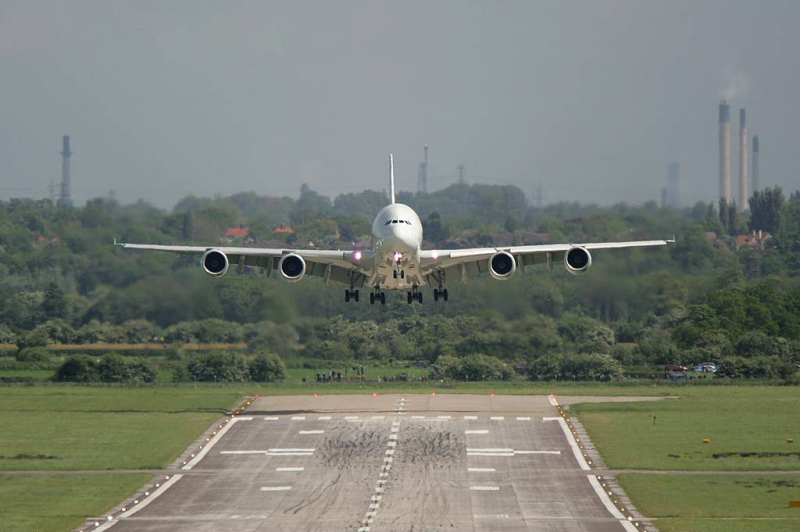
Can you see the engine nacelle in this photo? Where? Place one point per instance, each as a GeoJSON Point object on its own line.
{"type": "Point", "coordinates": [577, 260]}
{"type": "Point", "coordinates": [292, 267]}
{"type": "Point", "coordinates": [215, 262]}
{"type": "Point", "coordinates": [502, 265]}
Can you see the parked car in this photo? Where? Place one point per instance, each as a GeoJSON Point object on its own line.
{"type": "Point", "coordinates": [706, 367]}
{"type": "Point", "coordinates": [675, 368]}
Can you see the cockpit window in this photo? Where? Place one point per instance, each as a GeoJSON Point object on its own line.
{"type": "Point", "coordinates": [387, 222]}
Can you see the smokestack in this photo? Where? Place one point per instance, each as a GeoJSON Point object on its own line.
{"type": "Point", "coordinates": [673, 184]}
{"type": "Point", "coordinates": [724, 151]}
{"type": "Point", "coordinates": [66, 153]}
{"type": "Point", "coordinates": [756, 183]}
{"type": "Point", "coordinates": [744, 193]}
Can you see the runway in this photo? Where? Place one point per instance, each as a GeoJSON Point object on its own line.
{"type": "Point", "coordinates": [386, 463]}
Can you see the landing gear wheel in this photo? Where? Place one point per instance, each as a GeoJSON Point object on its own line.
{"type": "Point", "coordinates": [383, 298]}
{"type": "Point", "coordinates": [436, 294]}
{"type": "Point", "coordinates": [372, 298]}
{"type": "Point", "coordinates": [347, 296]}
{"type": "Point", "coordinates": [419, 297]}
{"type": "Point", "coordinates": [402, 274]}
{"type": "Point", "coordinates": [444, 294]}
{"type": "Point", "coordinates": [394, 273]}
{"type": "Point", "coordinates": [410, 298]}
{"type": "Point", "coordinates": [355, 295]}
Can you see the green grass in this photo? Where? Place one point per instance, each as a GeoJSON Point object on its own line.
{"type": "Point", "coordinates": [716, 503]}
{"type": "Point", "coordinates": [747, 426]}
{"type": "Point", "coordinates": [77, 428]}
{"type": "Point", "coordinates": [42, 374]}
{"type": "Point", "coordinates": [53, 502]}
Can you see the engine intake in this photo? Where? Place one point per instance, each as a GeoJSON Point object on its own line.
{"type": "Point", "coordinates": [215, 262]}
{"type": "Point", "coordinates": [577, 260]}
{"type": "Point", "coordinates": [292, 267]}
{"type": "Point", "coordinates": [502, 265]}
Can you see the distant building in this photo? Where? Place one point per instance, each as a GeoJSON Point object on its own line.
{"type": "Point", "coordinates": [232, 233]}
{"type": "Point", "coordinates": [284, 229]}
{"type": "Point", "coordinates": [754, 240]}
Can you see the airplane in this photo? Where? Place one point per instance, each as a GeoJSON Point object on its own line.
{"type": "Point", "coordinates": [396, 260]}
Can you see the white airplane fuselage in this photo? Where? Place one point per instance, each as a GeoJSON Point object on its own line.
{"type": "Point", "coordinates": [396, 242]}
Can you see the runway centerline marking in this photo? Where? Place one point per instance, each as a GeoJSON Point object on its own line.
{"type": "Point", "coordinates": [312, 432]}
{"type": "Point", "coordinates": [476, 432]}
{"type": "Point", "coordinates": [276, 488]}
{"type": "Point", "coordinates": [290, 469]}
{"type": "Point", "coordinates": [484, 488]}
{"type": "Point", "coordinates": [298, 418]}
{"type": "Point", "coordinates": [481, 469]}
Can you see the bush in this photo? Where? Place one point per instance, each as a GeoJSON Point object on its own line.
{"type": "Point", "coordinates": [218, 366]}
{"type": "Point", "coordinates": [108, 368]}
{"type": "Point", "coordinates": [33, 354]}
{"type": "Point", "coordinates": [478, 367]}
{"type": "Point", "coordinates": [267, 367]}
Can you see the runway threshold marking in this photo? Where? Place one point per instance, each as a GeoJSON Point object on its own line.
{"type": "Point", "coordinates": [276, 488]}
{"type": "Point", "coordinates": [484, 488]}
{"type": "Point", "coordinates": [290, 469]}
{"type": "Point", "coordinates": [312, 432]}
{"type": "Point", "coordinates": [481, 469]}
{"type": "Point", "coordinates": [476, 432]}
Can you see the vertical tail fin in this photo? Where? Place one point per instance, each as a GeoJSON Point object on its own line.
{"type": "Point", "coordinates": [391, 179]}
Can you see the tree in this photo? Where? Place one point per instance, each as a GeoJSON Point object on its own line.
{"type": "Point", "coordinates": [267, 367]}
{"type": "Point", "coordinates": [766, 210]}
{"type": "Point", "coordinates": [54, 304]}
{"type": "Point", "coordinates": [79, 368]}
{"type": "Point", "coordinates": [218, 366]}
{"type": "Point", "coordinates": [433, 229]}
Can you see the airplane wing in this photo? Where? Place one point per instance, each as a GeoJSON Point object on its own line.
{"type": "Point", "coordinates": [460, 264]}
{"type": "Point", "coordinates": [334, 265]}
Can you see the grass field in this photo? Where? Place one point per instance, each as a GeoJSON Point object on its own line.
{"type": "Point", "coordinates": [716, 503]}
{"type": "Point", "coordinates": [747, 426]}
{"type": "Point", "coordinates": [51, 503]}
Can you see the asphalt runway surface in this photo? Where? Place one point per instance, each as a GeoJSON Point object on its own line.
{"type": "Point", "coordinates": [386, 463]}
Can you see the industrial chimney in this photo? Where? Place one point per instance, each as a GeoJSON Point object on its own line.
{"type": "Point", "coordinates": [724, 151]}
{"type": "Point", "coordinates": [756, 184]}
{"type": "Point", "coordinates": [744, 193]}
{"type": "Point", "coordinates": [66, 153]}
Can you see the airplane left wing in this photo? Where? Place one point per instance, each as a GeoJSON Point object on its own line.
{"type": "Point", "coordinates": [335, 265]}
{"type": "Point", "coordinates": [460, 264]}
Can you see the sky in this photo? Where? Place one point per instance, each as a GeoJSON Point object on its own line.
{"type": "Point", "coordinates": [589, 100]}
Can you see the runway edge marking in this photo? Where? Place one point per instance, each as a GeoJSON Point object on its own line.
{"type": "Point", "coordinates": [174, 478]}
{"type": "Point", "coordinates": [609, 505]}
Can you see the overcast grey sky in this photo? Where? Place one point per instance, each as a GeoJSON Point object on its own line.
{"type": "Point", "coordinates": [589, 99]}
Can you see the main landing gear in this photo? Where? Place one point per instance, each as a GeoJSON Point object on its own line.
{"type": "Point", "coordinates": [439, 293]}
{"type": "Point", "coordinates": [351, 294]}
{"type": "Point", "coordinates": [415, 295]}
{"type": "Point", "coordinates": [377, 295]}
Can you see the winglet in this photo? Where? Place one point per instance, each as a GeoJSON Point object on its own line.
{"type": "Point", "coordinates": [391, 179]}
{"type": "Point", "coordinates": [118, 244]}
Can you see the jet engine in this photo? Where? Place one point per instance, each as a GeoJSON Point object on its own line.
{"type": "Point", "coordinates": [577, 260]}
{"type": "Point", "coordinates": [292, 267]}
{"type": "Point", "coordinates": [215, 262]}
{"type": "Point", "coordinates": [502, 265]}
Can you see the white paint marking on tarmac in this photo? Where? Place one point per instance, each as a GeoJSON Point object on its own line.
{"type": "Point", "coordinates": [279, 450]}
{"type": "Point", "coordinates": [290, 454]}
{"type": "Point", "coordinates": [417, 417]}
{"type": "Point", "coordinates": [627, 525]}
{"type": "Point", "coordinates": [244, 452]}
{"type": "Point", "coordinates": [312, 432]}
{"type": "Point", "coordinates": [324, 418]}
{"type": "Point", "coordinates": [470, 417]}
{"type": "Point", "coordinates": [290, 469]}
{"type": "Point", "coordinates": [481, 469]}
{"type": "Point", "coordinates": [537, 452]}
{"type": "Point", "coordinates": [276, 488]}
{"type": "Point", "coordinates": [476, 432]}
{"type": "Point", "coordinates": [350, 418]}
{"type": "Point", "coordinates": [393, 436]}
{"type": "Point", "coordinates": [490, 454]}
{"type": "Point", "coordinates": [571, 440]}
{"type": "Point", "coordinates": [298, 418]}
{"type": "Point", "coordinates": [476, 450]}
{"type": "Point", "coordinates": [492, 516]}
{"type": "Point", "coordinates": [484, 488]}
{"type": "Point", "coordinates": [143, 504]}
{"type": "Point", "coordinates": [392, 444]}
{"type": "Point", "coordinates": [497, 418]}
{"type": "Point", "coordinates": [378, 417]}
{"type": "Point", "coordinates": [271, 418]}
{"type": "Point", "coordinates": [245, 418]}
{"type": "Point", "coordinates": [553, 400]}
{"type": "Point", "coordinates": [442, 417]}
{"type": "Point", "coordinates": [523, 419]}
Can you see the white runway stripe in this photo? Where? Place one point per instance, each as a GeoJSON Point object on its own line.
{"type": "Point", "coordinates": [290, 469]}
{"type": "Point", "coordinates": [484, 488]}
{"type": "Point", "coordinates": [470, 417]}
{"type": "Point", "coordinates": [481, 469]}
{"type": "Point", "coordinates": [271, 418]}
{"type": "Point", "coordinates": [276, 488]}
{"type": "Point", "coordinates": [476, 450]}
{"type": "Point", "coordinates": [537, 452]}
{"type": "Point", "coordinates": [523, 419]}
{"type": "Point", "coordinates": [476, 432]}
{"type": "Point", "coordinates": [324, 418]}
{"type": "Point", "coordinates": [497, 418]}
{"type": "Point", "coordinates": [312, 432]}
{"type": "Point", "coordinates": [298, 418]}
{"type": "Point", "coordinates": [490, 454]}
